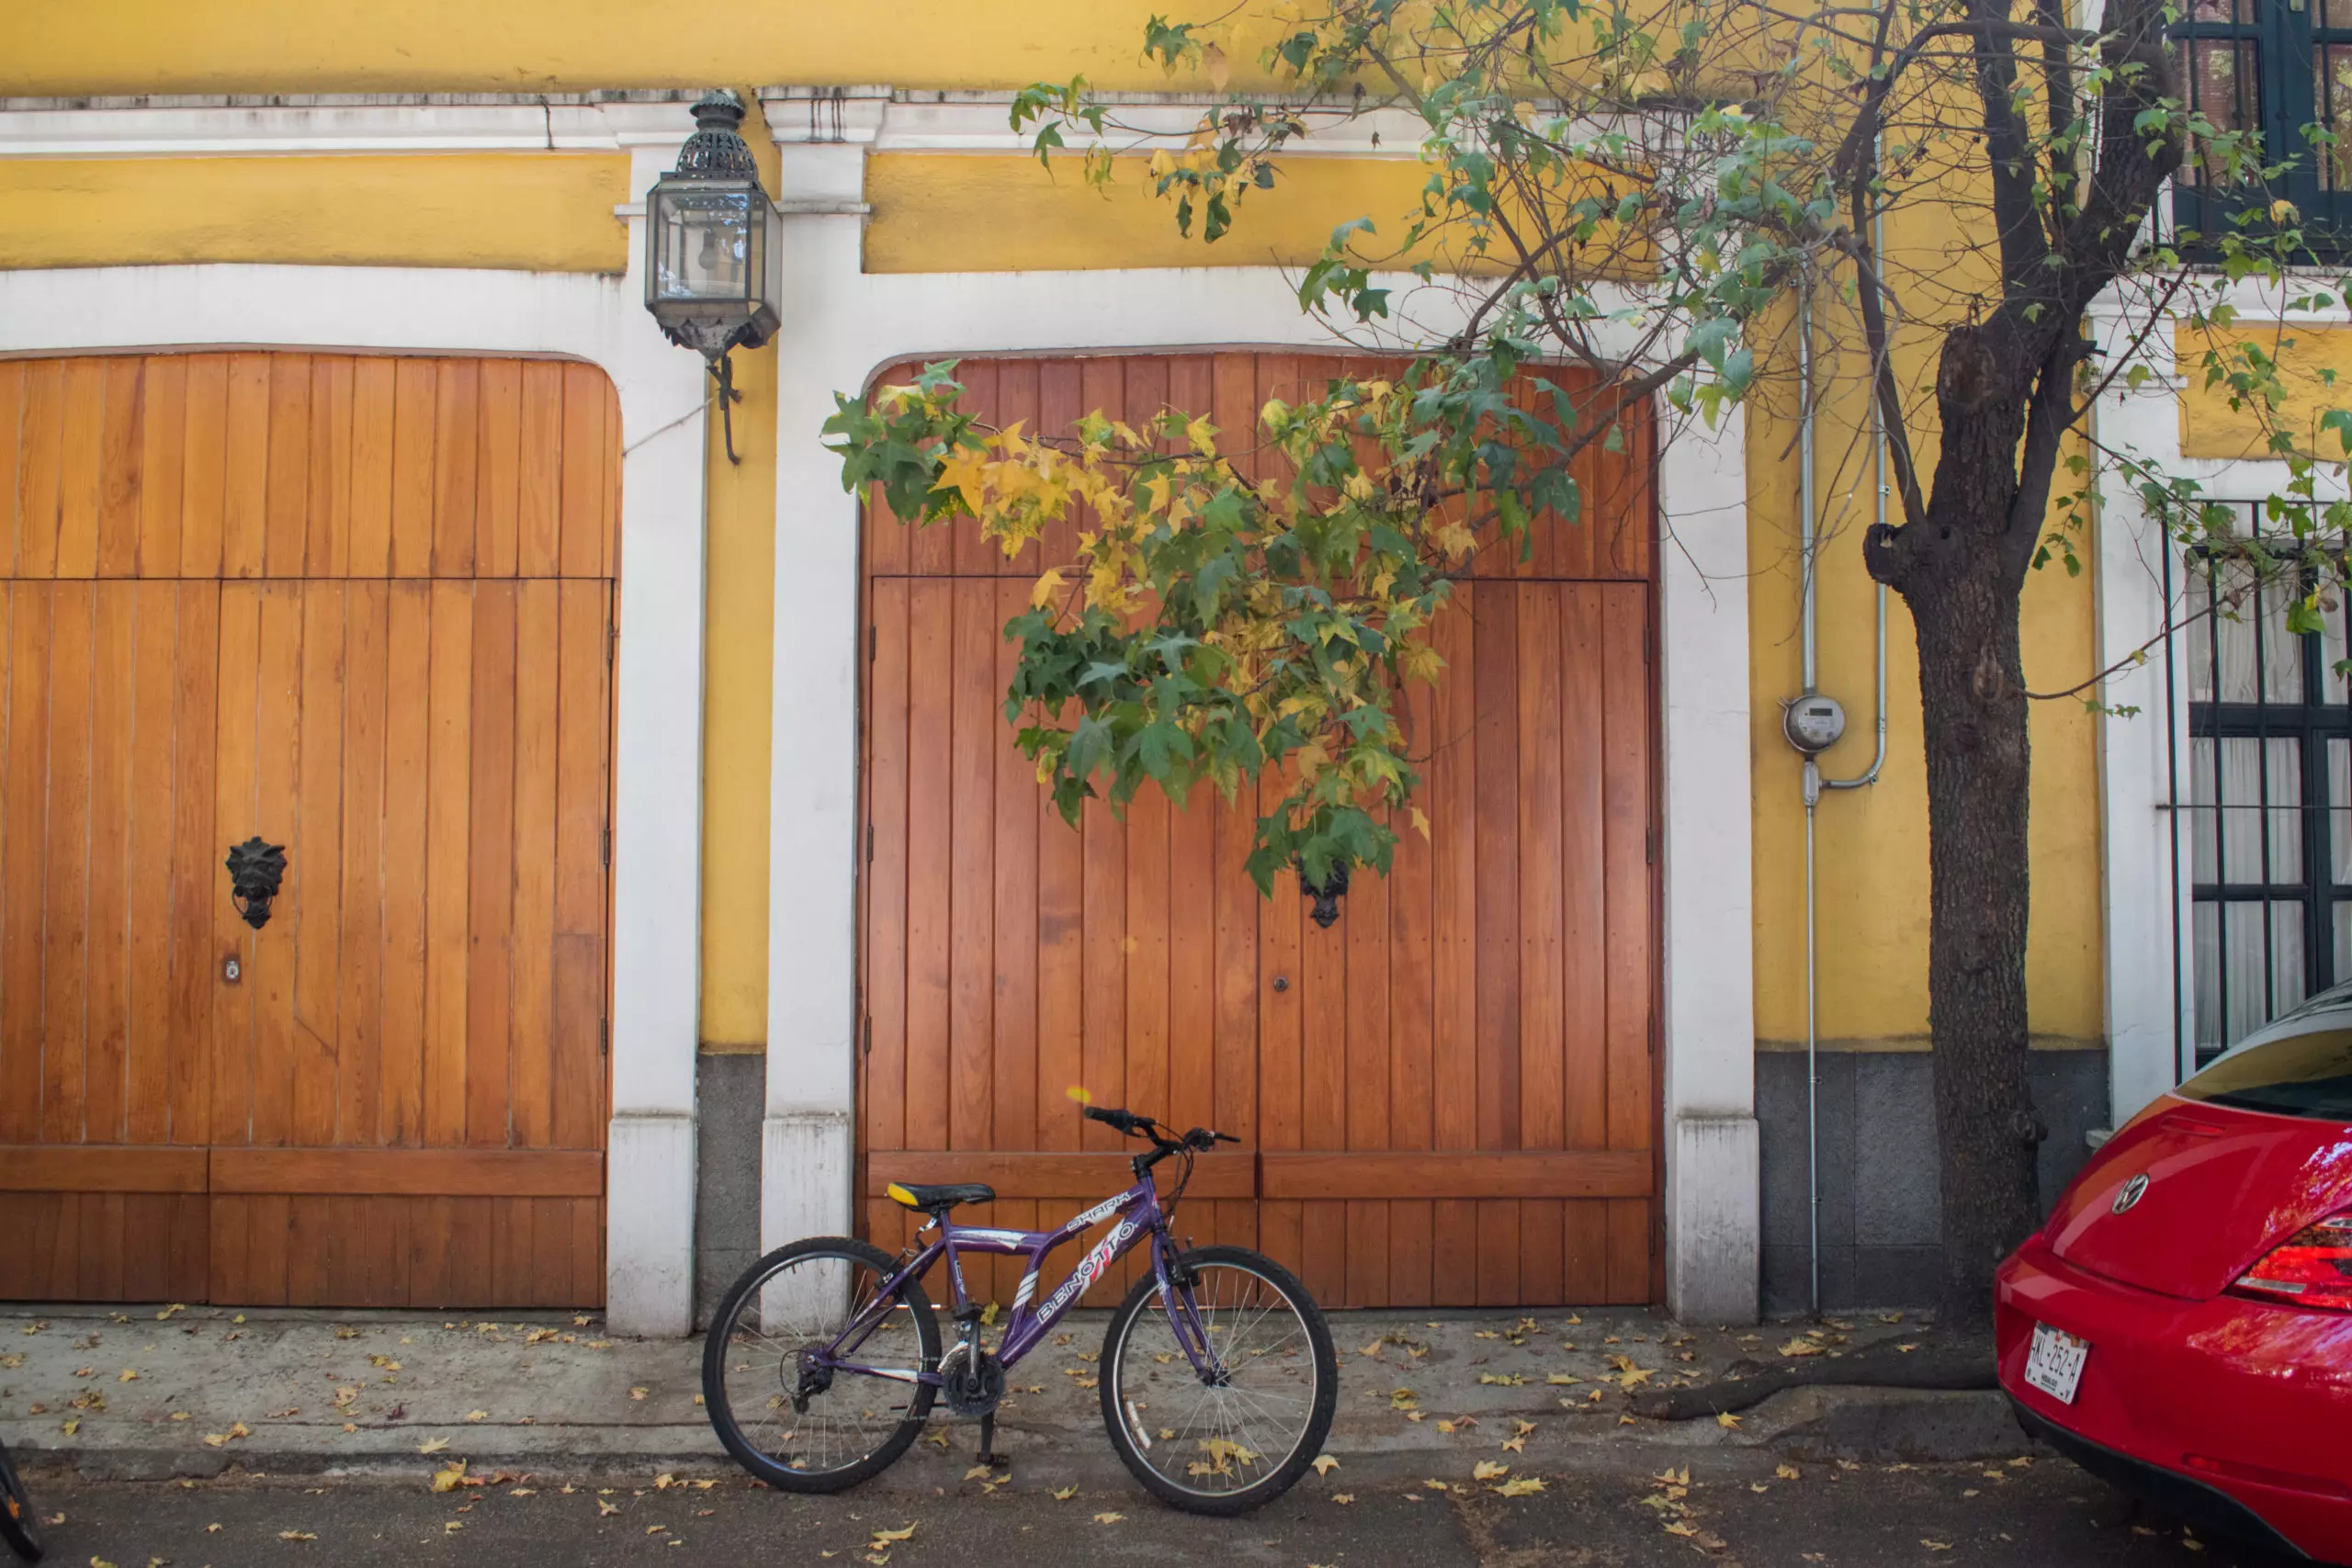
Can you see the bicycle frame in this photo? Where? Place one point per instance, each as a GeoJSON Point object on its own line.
{"type": "Point", "coordinates": [1140, 1216]}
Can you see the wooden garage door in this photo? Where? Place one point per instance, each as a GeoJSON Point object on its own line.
{"type": "Point", "coordinates": [361, 608]}
{"type": "Point", "coordinates": [1448, 1097]}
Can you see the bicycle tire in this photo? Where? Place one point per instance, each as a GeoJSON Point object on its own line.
{"type": "Point", "coordinates": [724, 1324]}
{"type": "Point", "coordinates": [1321, 1404]}
{"type": "Point", "coordinates": [18, 1527]}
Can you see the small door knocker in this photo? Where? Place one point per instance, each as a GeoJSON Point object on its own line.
{"type": "Point", "coordinates": [256, 868]}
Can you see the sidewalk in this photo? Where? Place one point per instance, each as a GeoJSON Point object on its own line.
{"type": "Point", "coordinates": [158, 1392]}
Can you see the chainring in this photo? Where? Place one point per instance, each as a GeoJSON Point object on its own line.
{"type": "Point", "coordinates": [971, 1390]}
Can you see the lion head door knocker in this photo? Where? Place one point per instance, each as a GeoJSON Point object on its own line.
{"type": "Point", "coordinates": [256, 868]}
{"type": "Point", "coordinates": [1327, 897]}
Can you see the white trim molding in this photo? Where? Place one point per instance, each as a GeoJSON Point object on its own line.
{"type": "Point", "coordinates": [657, 789]}
{"type": "Point", "coordinates": [844, 324]}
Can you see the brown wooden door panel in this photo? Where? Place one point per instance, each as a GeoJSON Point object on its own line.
{"type": "Point", "coordinates": [1453, 1088]}
{"type": "Point", "coordinates": [404, 678]}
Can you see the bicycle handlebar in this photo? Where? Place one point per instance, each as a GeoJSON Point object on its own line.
{"type": "Point", "coordinates": [1138, 1126]}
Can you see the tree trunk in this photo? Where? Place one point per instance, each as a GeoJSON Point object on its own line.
{"type": "Point", "coordinates": [1963, 578]}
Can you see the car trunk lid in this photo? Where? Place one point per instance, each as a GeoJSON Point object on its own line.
{"type": "Point", "coordinates": [2222, 1186]}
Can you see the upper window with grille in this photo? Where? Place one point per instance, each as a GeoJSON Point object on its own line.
{"type": "Point", "coordinates": [2270, 795]}
{"type": "Point", "coordinates": [2273, 68]}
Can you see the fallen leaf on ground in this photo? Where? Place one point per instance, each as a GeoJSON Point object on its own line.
{"type": "Point", "coordinates": [430, 1445]}
{"type": "Point", "coordinates": [1521, 1487]}
{"type": "Point", "coordinates": [1487, 1470]}
{"type": "Point", "coordinates": [1726, 1418]}
{"type": "Point", "coordinates": [1935, 1545]}
{"type": "Point", "coordinates": [638, 1393]}
{"type": "Point", "coordinates": [1563, 1380]}
{"type": "Point", "coordinates": [1063, 1494]}
{"type": "Point", "coordinates": [1343, 1497]}
{"type": "Point", "coordinates": [1108, 1518]}
{"type": "Point", "coordinates": [1514, 1445]}
{"type": "Point", "coordinates": [296, 1535]}
{"type": "Point", "coordinates": [1325, 1464]}
{"type": "Point", "coordinates": [607, 1510]}
{"type": "Point", "coordinates": [477, 1414]}
{"type": "Point", "coordinates": [1680, 1526]}
{"type": "Point", "coordinates": [452, 1478]}
{"type": "Point", "coordinates": [1800, 1348]}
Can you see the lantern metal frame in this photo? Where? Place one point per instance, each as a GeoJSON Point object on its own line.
{"type": "Point", "coordinates": [724, 296]}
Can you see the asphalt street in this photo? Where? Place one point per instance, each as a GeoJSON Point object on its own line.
{"type": "Point", "coordinates": [2043, 1514]}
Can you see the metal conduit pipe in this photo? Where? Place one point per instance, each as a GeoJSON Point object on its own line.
{"type": "Point", "coordinates": [1808, 549]}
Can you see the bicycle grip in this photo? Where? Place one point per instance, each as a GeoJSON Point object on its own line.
{"type": "Point", "coordinates": [1124, 1121]}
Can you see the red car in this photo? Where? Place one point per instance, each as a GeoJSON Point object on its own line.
{"type": "Point", "coordinates": [2183, 1325]}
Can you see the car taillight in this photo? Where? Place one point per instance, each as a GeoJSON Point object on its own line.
{"type": "Point", "coordinates": [2312, 1267]}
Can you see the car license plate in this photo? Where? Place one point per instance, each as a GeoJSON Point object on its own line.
{"type": "Point", "coordinates": [2055, 1364]}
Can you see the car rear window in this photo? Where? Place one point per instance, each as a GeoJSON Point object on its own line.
{"type": "Point", "coordinates": [2303, 1075]}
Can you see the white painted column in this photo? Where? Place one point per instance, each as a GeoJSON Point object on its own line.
{"type": "Point", "coordinates": [1713, 1193]}
{"type": "Point", "coordinates": [2143, 903]}
{"type": "Point", "coordinates": [657, 791]}
{"type": "Point", "coordinates": [808, 1145]}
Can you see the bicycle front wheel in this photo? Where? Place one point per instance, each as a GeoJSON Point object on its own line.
{"type": "Point", "coordinates": [784, 1410]}
{"type": "Point", "coordinates": [1234, 1433]}
{"type": "Point", "coordinates": [16, 1514]}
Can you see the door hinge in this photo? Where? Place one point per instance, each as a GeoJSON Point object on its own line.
{"type": "Point", "coordinates": [608, 846]}
{"type": "Point", "coordinates": [865, 1030]}
{"type": "Point", "coordinates": [869, 843]}
{"type": "Point", "coordinates": [1649, 846]}
{"type": "Point", "coordinates": [873, 643]}
{"type": "Point", "coordinates": [604, 1036]}
{"type": "Point", "coordinates": [612, 641]}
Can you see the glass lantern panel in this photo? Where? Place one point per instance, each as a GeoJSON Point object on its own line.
{"type": "Point", "coordinates": [706, 244]}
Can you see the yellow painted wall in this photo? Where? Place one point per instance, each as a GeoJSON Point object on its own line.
{"type": "Point", "coordinates": [542, 211]}
{"type": "Point", "coordinates": [2314, 362]}
{"type": "Point", "coordinates": [53, 48]}
{"type": "Point", "coordinates": [1871, 844]}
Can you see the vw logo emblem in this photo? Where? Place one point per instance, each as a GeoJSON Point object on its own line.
{"type": "Point", "coordinates": [2132, 1193]}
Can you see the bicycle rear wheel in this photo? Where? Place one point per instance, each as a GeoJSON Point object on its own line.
{"type": "Point", "coordinates": [1236, 1438]}
{"type": "Point", "coordinates": [17, 1524]}
{"type": "Point", "coordinates": [797, 1425]}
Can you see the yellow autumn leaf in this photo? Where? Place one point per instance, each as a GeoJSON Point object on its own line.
{"type": "Point", "coordinates": [884, 1537]}
{"type": "Point", "coordinates": [1788, 1472]}
{"type": "Point", "coordinates": [1108, 1518]}
{"type": "Point", "coordinates": [1522, 1486]}
{"type": "Point", "coordinates": [452, 1478]}
{"type": "Point", "coordinates": [1063, 1494]}
{"type": "Point", "coordinates": [1325, 1464]}
{"type": "Point", "coordinates": [1800, 1348]}
{"type": "Point", "coordinates": [1487, 1470]}
{"type": "Point", "coordinates": [432, 1444]}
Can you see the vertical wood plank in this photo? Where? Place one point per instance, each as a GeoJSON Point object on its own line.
{"type": "Point", "coordinates": [238, 685]}
{"type": "Point", "coordinates": [314, 864]}
{"type": "Point", "coordinates": [65, 898]}
{"type": "Point", "coordinates": [106, 1115]}
{"type": "Point", "coordinates": [539, 490]}
{"type": "Point", "coordinates": [406, 795]}
{"type": "Point", "coordinates": [13, 457]}
{"type": "Point", "coordinates": [586, 464]}
{"type": "Point", "coordinates": [205, 474]}
{"type": "Point", "coordinates": [882, 1092]}
{"type": "Point", "coordinates": [326, 544]}
{"type": "Point", "coordinates": [122, 452]}
{"type": "Point", "coordinates": [489, 1069]}
{"type": "Point", "coordinates": [80, 465]}
{"type": "Point", "coordinates": [285, 527]}
{"type": "Point", "coordinates": [23, 857]}
{"type": "Point", "coordinates": [583, 717]}
{"type": "Point", "coordinates": [537, 655]}
{"type": "Point", "coordinates": [456, 413]}
{"type": "Point", "coordinates": [163, 465]}
{"type": "Point", "coordinates": [280, 1052]}
{"type": "Point", "coordinates": [1102, 1055]}
{"type": "Point", "coordinates": [365, 856]}
{"type": "Point", "coordinates": [415, 422]}
{"type": "Point", "coordinates": [40, 468]}
{"type": "Point", "coordinates": [498, 467]}
{"type": "Point", "coordinates": [974, 736]}
{"type": "Point", "coordinates": [1541, 973]}
{"type": "Point", "coordinates": [196, 871]}
{"type": "Point", "coordinates": [367, 548]}
{"type": "Point", "coordinates": [930, 848]}
{"type": "Point", "coordinates": [448, 842]}
{"type": "Point", "coordinates": [1627, 731]}
{"type": "Point", "coordinates": [1018, 1095]}
{"type": "Point", "coordinates": [245, 500]}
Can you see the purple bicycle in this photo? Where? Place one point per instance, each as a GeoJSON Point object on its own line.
{"type": "Point", "coordinates": [1217, 1376]}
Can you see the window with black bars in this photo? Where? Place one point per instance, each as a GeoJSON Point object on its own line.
{"type": "Point", "coordinates": [2274, 67]}
{"type": "Point", "coordinates": [2269, 788]}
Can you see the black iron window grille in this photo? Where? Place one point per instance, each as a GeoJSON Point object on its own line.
{"type": "Point", "coordinates": [2269, 798]}
{"type": "Point", "coordinates": [2272, 68]}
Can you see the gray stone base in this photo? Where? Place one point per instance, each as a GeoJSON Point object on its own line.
{"type": "Point", "coordinates": [730, 1095]}
{"type": "Point", "coordinates": [1879, 1192]}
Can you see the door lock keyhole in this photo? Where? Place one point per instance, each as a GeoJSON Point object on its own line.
{"type": "Point", "coordinates": [231, 970]}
